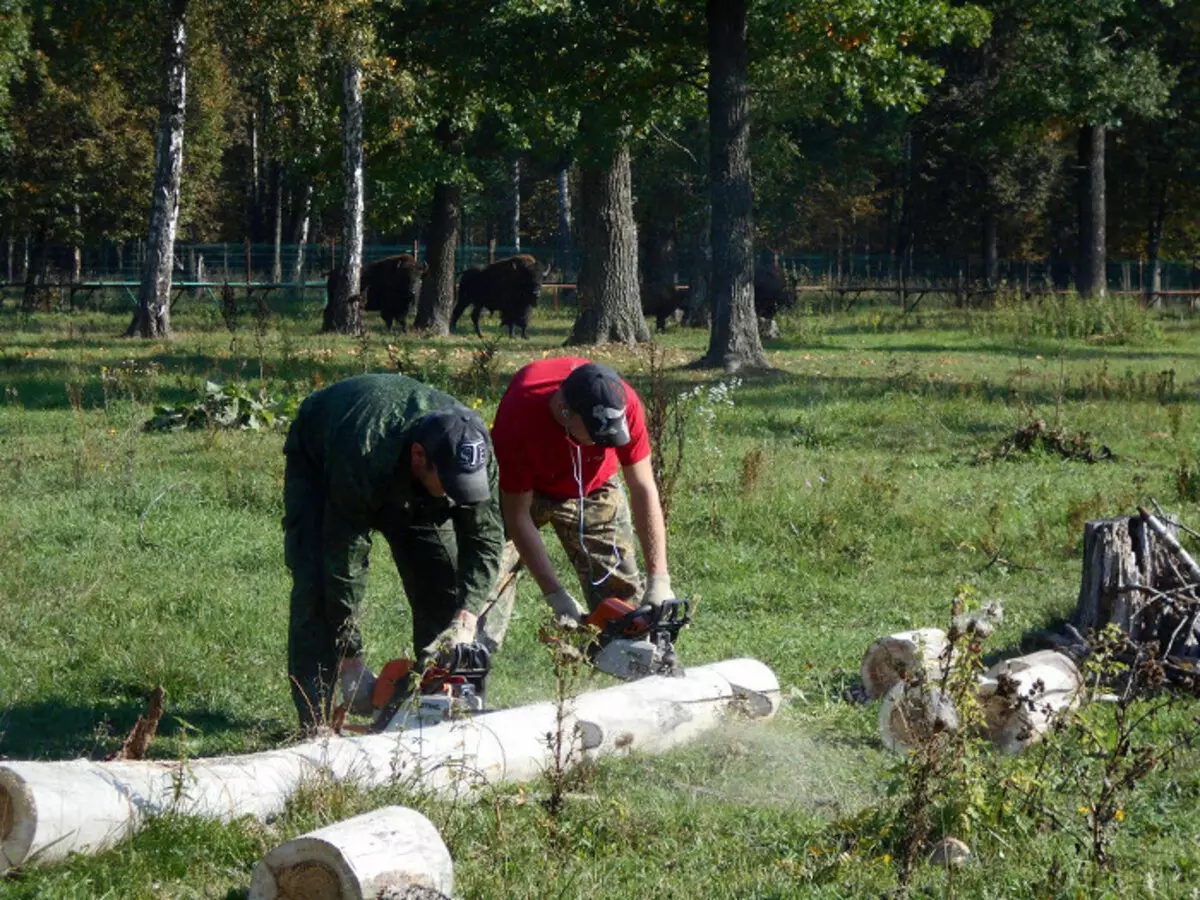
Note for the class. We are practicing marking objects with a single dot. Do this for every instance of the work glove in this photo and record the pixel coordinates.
(461, 630)
(566, 609)
(658, 589)
(358, 686)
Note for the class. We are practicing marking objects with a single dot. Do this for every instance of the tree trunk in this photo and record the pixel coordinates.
(514, 220)
(1158, 213)
(389, 852)
(564, 222)
(437, 285)
(734, 341)
(53, 809)
(610, 309)
(344, 310)
(300, 239)
(254, 189)
(991, 249)
(153, 316)
(436, 303)
(1093, 246)
(277, 198)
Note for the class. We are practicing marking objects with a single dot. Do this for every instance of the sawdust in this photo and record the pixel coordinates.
(780, 764)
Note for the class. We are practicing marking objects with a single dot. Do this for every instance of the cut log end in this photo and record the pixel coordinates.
(307, 881)
(910, 715)
(893, 658)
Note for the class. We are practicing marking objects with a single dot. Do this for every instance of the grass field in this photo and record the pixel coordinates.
(844, 495)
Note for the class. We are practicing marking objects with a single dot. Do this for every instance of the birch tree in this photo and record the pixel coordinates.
(153, 316)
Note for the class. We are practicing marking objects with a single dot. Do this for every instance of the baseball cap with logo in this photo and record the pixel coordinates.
(456, 441)
(597, 394)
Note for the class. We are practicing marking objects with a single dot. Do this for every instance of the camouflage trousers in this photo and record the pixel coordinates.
(599, 543)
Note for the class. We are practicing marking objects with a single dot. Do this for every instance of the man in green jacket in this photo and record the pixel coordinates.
(383, 453)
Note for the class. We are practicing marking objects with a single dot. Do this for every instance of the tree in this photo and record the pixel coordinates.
(153, 315)
(733, 341)
(609, 303)
(344, 310)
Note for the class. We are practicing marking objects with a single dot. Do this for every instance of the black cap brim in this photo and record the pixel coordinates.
(466, 488)
(615, 432)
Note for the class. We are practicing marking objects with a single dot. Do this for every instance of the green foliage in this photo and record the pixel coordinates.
(230, 406)
(1112, 320)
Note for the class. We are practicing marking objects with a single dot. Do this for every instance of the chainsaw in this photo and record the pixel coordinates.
(453, 685)
(636, 641)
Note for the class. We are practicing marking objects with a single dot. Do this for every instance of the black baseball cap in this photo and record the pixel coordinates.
(457, 443)
(597, 394)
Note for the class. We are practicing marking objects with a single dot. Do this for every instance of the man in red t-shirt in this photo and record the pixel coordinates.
(563, 428)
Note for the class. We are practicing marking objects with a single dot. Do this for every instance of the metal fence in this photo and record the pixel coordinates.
(259, 264)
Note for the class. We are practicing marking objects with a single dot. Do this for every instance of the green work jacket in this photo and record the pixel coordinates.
(353, 436)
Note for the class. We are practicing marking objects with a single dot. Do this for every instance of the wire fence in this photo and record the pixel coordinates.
(307, 266)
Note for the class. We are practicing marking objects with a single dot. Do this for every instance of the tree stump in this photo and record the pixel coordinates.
(1128, 571)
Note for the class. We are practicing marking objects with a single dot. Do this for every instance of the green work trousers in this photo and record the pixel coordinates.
(323, 626)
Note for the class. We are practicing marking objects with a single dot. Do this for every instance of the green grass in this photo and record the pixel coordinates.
(869, 510)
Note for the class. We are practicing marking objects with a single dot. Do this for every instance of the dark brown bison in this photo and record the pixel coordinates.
(511, 286)
(664, 302)
(771, 292)
(390, 286)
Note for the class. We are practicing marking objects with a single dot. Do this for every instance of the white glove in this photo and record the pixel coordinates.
(567, 611)
(358, 686)
(461, 630)
(658, 589)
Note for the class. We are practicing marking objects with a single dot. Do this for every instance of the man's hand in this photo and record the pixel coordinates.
(461, 630)
(658, 589)
(566, 609)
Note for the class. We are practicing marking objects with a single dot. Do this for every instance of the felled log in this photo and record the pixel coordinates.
(1016, 713)
(391, 851)
(893, 658)
(49, 810)
(912, 713)
(1022, 696)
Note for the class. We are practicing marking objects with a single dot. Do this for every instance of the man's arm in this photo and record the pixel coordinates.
(518, 520)
(479, 533)
(647, 515)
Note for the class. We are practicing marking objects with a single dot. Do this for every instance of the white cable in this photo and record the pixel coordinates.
(577, 471)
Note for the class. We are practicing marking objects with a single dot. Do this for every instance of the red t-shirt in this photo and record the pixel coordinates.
(535, 452)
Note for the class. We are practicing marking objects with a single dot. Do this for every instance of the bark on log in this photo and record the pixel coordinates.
(891, 658)
(1119, 555)
(391, 851)
(49, 810)
(1021, 697)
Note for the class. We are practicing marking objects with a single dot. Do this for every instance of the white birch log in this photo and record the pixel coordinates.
(1017, 710)
(911, 713)
(891, 658)
(391, 851)
(49, 810)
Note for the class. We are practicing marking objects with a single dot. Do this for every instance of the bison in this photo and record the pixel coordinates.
(512, 286)
(663, 301)
(390, 285)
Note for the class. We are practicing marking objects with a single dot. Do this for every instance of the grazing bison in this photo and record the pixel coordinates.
(663, 301)
(390, 285)
(511, 286)
(771, 293)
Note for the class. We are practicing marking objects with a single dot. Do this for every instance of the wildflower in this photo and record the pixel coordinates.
(1119, 815)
